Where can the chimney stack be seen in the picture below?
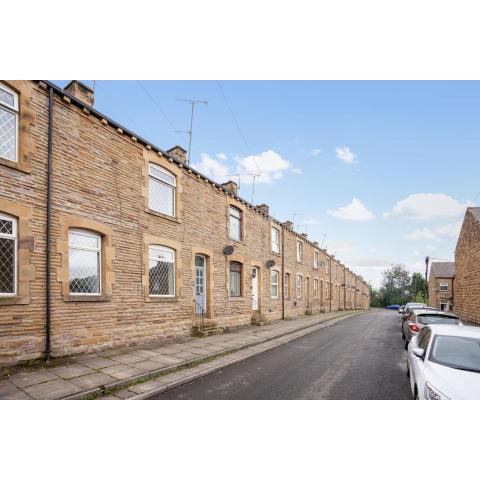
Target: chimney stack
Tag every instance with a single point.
(263, 208)
(288, 224)
(179, 153)
(315, 244)
(304, 235)
(81, 91)
(231, 187)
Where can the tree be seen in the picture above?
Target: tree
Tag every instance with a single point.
(418, 287)
(395, 282)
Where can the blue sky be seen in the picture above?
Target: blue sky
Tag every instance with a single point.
(382, 171)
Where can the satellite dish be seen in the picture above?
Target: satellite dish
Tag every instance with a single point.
(270, 263)
(228, 250)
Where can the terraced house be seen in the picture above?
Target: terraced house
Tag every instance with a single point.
(106, 240)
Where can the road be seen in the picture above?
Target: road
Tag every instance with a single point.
(361, 357)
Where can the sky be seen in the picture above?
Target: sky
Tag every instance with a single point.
(378, 172)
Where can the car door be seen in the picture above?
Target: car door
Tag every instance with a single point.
(417, 363)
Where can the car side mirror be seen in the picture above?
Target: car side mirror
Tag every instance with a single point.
(419, 352)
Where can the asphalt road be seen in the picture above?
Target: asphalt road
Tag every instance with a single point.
(358, 358)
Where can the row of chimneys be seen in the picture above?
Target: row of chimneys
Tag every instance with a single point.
(86, 95)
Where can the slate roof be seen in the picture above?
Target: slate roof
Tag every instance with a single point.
(475, 211)
(443, 269)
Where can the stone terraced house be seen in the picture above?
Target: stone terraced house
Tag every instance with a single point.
(106, 240)
(441, 285)
(467, 267)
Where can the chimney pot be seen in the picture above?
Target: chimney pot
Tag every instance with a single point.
(179, 153)
(288, 224)
(231, 187)
(304, 235)
(263, 208)
(80, 91)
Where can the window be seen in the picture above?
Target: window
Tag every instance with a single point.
(84, 262)
(161, 190)
(286, 285)
(8, 255)
(235, 279)
(315, 259)
(327, 263)
(161, 271)
(8, 124)
(274, 283)
(275, 240)
(315, 288)
(327, 291)
(299, 251)
(443, 287)
(235, 224)
(299, 286)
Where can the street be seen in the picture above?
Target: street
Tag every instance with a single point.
(358, 358)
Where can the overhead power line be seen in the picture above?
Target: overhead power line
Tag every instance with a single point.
(159, 108)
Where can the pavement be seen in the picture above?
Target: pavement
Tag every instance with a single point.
(361, 357)
(139, 372)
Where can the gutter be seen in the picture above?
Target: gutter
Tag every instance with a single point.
(49, 229)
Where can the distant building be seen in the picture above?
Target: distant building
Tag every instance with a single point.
(441, 285)
(467, 260)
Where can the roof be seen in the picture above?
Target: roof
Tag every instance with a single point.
(455, 330)
(443, 269)
(475, 211)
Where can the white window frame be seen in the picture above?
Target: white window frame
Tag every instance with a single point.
(92, 234)
(156, 178)
(299, 286)
(241, 272)
(315, 259)
(13, 236)
(299, 251)
(327, 263)
(315, 288)
(275, 232)
(442, 284)
(327, 290)
(286, 285)
(232, 208)
(274, 273)
(174, 261)
(11, 109)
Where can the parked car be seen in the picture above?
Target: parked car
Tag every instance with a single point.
(418, 318)
(393, 307)
(411, 305)
(443, 363)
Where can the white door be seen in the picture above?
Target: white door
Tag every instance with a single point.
(255, 305)
(200, 284)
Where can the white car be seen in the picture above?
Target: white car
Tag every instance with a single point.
(443, 363)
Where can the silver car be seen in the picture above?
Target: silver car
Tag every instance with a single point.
(421, 317)
(409, 306)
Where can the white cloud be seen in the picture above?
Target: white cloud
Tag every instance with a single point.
(316, 152)
(430, 248)
(355, 210)
(422, 234)
(418, 267)
(346, 155)
(269, 164)
(416, 253)
(371, 262)
(212, 168)
(450, 229)
(424, 206)
(337, 247)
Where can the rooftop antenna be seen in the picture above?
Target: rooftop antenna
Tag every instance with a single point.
(192, 103)
(324, 238)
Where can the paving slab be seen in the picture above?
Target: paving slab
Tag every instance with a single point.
(121, 372)
(27, 378)
(71, 371)
(93, 380)
(98, 363)
(51, 390)
(149, 365)
(127, 358)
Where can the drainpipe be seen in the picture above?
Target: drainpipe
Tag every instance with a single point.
(330, 290)
(49, 228)
(283, 273)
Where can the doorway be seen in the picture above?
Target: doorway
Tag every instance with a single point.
(200, 284)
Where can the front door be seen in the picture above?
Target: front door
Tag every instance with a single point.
(255, 305)
(200, 284)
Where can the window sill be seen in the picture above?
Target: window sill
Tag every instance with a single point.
(162, 215)
(277, 254)
(14, 300)
(16, 165)
(239, 242)
(87, 298)
(150, 299)
(236, 299)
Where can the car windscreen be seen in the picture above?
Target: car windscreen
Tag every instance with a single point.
(462, 353)
(429, 319)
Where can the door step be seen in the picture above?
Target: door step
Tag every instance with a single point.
(207, 330)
